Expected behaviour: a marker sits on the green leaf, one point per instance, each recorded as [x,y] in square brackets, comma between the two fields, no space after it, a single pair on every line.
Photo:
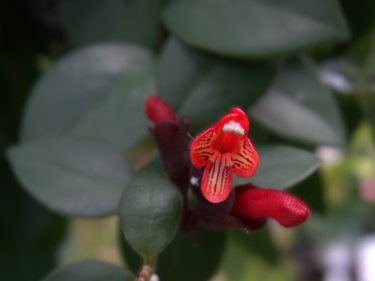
[204,87]
[299,107]
[255,28]
[281,167]
[196,258]
[149,213]
[119,120]
[135,21]
[90,270]
[77,83]
[74,177]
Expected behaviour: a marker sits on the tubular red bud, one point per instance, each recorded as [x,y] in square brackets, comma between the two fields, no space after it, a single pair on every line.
[258,204]
[157,110]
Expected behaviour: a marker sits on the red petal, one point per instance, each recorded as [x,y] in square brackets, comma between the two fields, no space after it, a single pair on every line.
[217,180]
[157,110]
[245,162]
[257,204]
[200,149]
[236,114]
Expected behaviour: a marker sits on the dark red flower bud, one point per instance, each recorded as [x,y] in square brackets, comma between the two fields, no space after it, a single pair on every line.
[172,139]
[157,110]
[173,142]
[256,204]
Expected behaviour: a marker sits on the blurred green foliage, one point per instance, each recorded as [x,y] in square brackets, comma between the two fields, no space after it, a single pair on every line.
[74,76]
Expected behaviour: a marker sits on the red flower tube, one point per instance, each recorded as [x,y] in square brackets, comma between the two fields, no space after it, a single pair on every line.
[222,150]
[253,204]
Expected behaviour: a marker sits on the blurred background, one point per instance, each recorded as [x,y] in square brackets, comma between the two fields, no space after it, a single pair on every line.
[336,244]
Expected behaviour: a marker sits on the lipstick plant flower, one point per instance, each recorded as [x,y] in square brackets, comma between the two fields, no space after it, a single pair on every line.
[224,149]
[206,164]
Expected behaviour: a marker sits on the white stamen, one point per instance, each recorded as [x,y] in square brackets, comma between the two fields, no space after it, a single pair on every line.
[233,127]
[194,181]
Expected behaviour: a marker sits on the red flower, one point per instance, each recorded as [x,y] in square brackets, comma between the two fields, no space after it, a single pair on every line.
[253,206]
[221,150]
[157,110]
[224,149]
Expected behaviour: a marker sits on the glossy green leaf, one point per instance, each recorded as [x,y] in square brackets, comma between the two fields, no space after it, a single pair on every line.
[76,84]
[281,167]
[204,87]
[74,177]
[298,106]
[134,21]
[255,28]
[119,120]
[90,270]
[149,213]
[196,258]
